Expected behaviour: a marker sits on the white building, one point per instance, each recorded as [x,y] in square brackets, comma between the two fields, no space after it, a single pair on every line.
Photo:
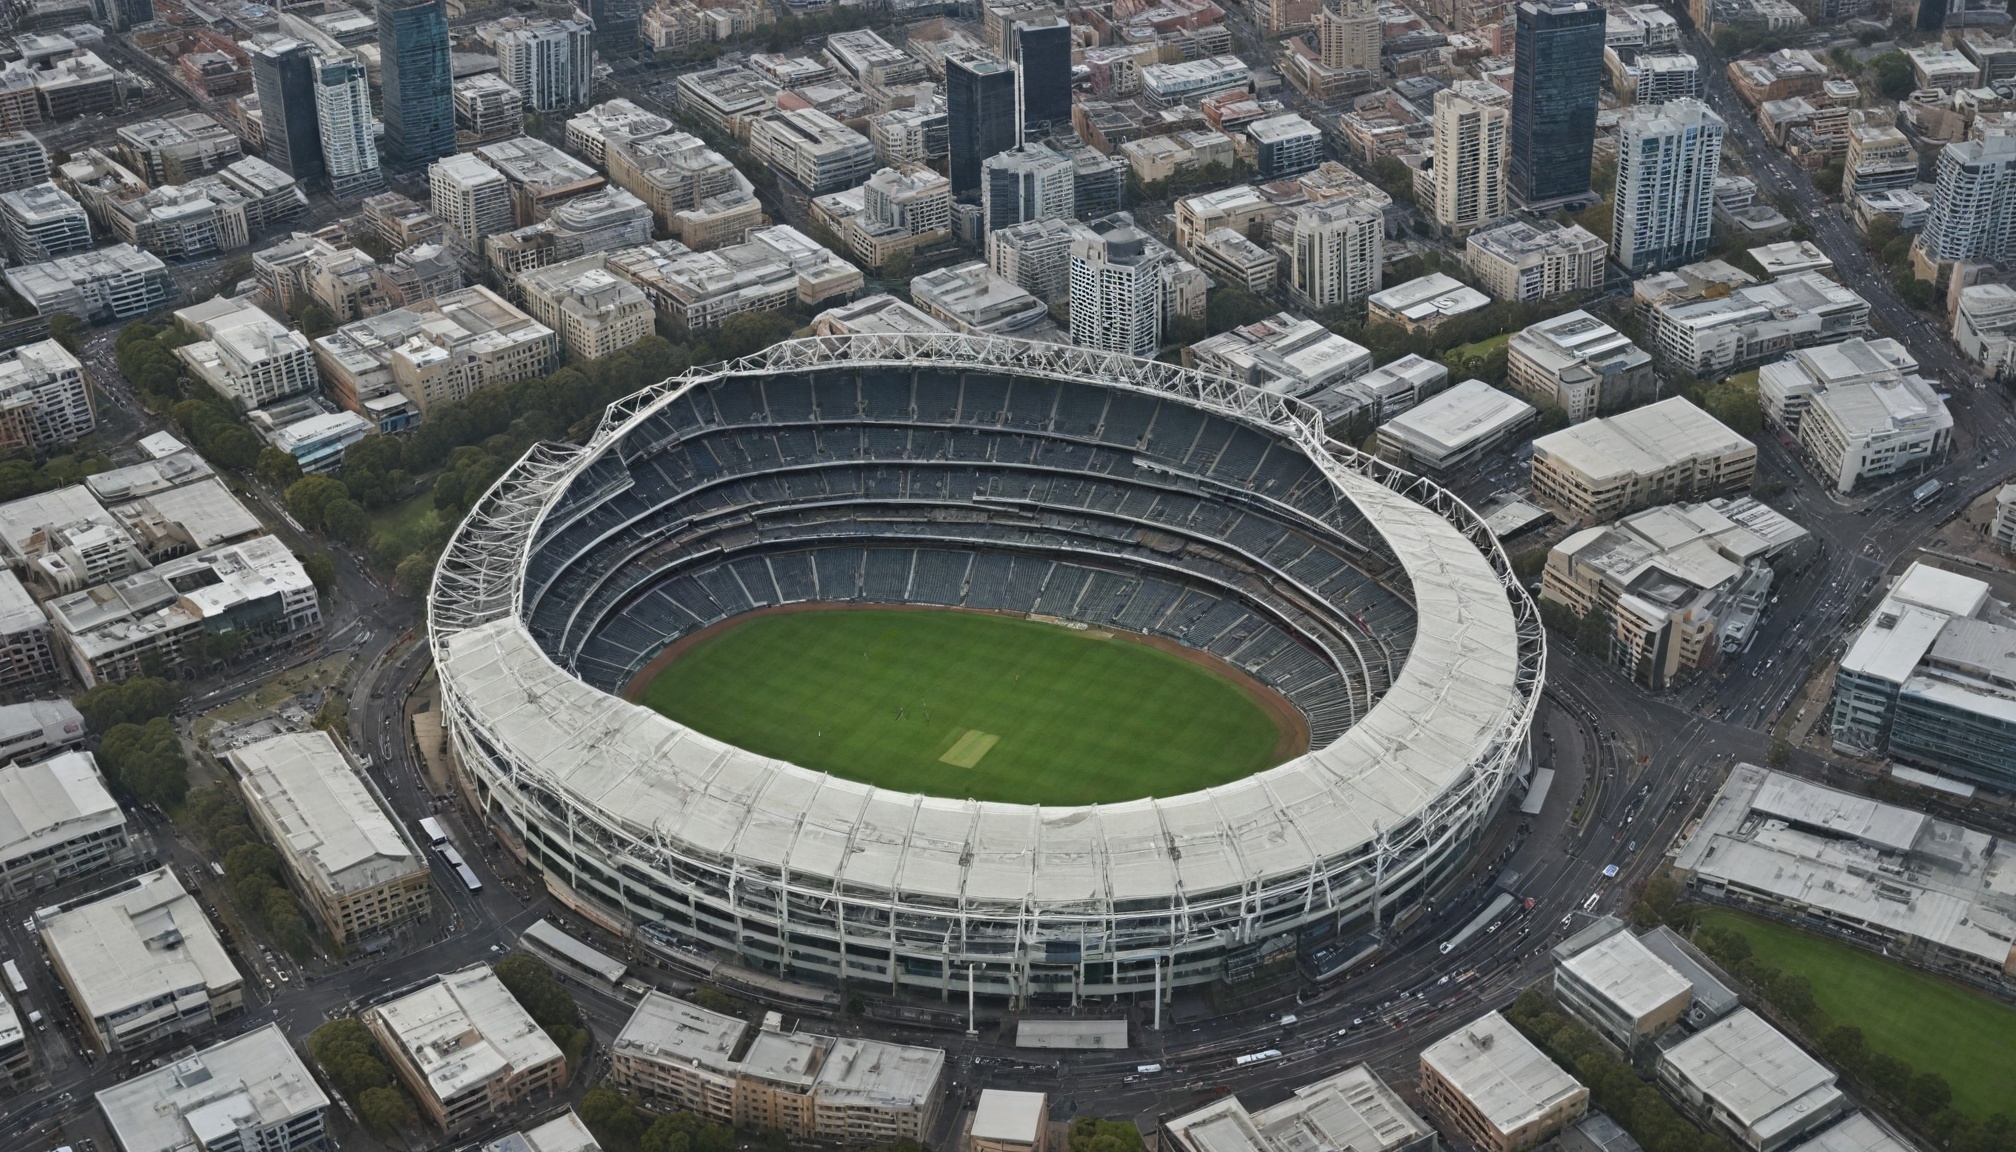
[62,823]
[1535,260]
[617,121]
[972,298]
[1472,119]
[771,268]
[465,1048]
[43,396]
[1790,257]
[550,62]
[246,355]
[1035,256]
[1192,80]
[1617,985]
[816,151]
[471,197]
[1752,323]
[1116,298]
[1973,213]
[1425,302]
[1232,259]
[1454,427]
[140,962]
[1982,323]
[1601,469]
[1285,354]
[1353,1109]
[1868,429]
[118,281]
[1336,253]
[878,315]
[1752,1082]
[249,1092]
[1496,1090]
[595,313]
[1028,182]
[348,130]
[1667,158]
[1580,365]
[42,222]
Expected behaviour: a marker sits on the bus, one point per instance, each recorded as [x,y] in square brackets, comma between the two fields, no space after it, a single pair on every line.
[431,828]
[1257,1057]
[449,854]
[469,879]
[14,980]
[1923,494]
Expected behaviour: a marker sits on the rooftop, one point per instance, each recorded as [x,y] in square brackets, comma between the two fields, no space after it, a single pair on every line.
[318,807]
[211,1097]
[1464,414]
[1015,1117]
[1500,1072]
[1426,296]
[143,941]
[1626,973]
[463,1029]
[1352,1110]
[666,1028]
[51,803]
[1752,1072]
[1643,440]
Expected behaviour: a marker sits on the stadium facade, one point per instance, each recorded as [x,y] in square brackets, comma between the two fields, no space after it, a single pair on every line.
[1005,475]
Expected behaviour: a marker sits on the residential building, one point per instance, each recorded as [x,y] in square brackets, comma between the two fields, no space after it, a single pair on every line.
[1973,215]
[1336,253]
[1471,122]
[283,74]
[465,1048]
[902,210]
[619,121]
[2003,531]
[1492,1086]
[1351,1109]
[27,658]
[1425,302]
[550,62]
[361,873]
[1667,157]
[206,215]
[1535,260]
[1779,75]
[36,729]
[1558,49]
[1942,69]
[1879,157]
[695,194]
[64,823]
[487,108]
[63,539]
[179,148]
[910,135]
[567,1133]
[42,222]
[1751,1081]
[595,313]
[1923,889]
[540,176]
[117,281]
[1158,158]
[348,130]
[344,281]
[1027,182]
[1677,586]
[1115,294]
[1454,427]
[971,298]
[1653,79]
[1192,80]
[768,270]
[401,222]
[44,400]
[1284,354]
[16,1063]
[675,1054]
[726,98]
[140,962]
[416,80]
[1234,260]
[816,151]
[1098,181]
[467,341]
[254,1083]
[1286,145]
[23,161]
[246,355]
[1035,256]
[1755,322]
[1859,409]
[1983,319]
[471,197]
[1664,452]
[878,315]
[1580,365]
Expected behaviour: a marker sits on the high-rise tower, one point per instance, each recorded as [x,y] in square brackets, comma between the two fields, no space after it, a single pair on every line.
[1557,69]
[1667,156]
[283,74]
[1043,63]
[982,114]
[417,82]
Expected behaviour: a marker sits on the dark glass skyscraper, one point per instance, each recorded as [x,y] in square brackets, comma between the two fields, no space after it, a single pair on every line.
[283,74]
[1557,68]
[615,24]
[1043,54]
[981,114]
[417,82]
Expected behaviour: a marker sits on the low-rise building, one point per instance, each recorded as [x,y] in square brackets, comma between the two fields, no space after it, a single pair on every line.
[63,823]
[1942,69]
[1285,354]
[1753,323]
[1454,427]
[1778,75]
[140,962]
[488,108]
[697,196]
[1534,260]
[1192,80]
[767,271]
[568,1133]
[44,400]
[1285,145]
[1752,1082]
[1035,255]
[1353,1109]
[595,313]
[1496,1090]
[674,1054]
[1237,261]
[1391,389]
[17,1063]
[316,443]
[617,121]
[538,176]
[728,98]
[38,729]
[42,222]
[1603,468]
[251,1091]
[1580,365]
[1983,320]
[247,356]
[118,281]
[360,871]
[910,136]
[878,315]
[178,149]
[1859,409]
[27,657]
[1157,158]
[1425,303]
[972,298]
[1005,1121]
[816,151]
[465,1048]
[1791,256]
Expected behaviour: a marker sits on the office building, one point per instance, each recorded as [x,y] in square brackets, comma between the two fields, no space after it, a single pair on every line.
[693,191]
[1535,260]
[465,1048]
[1236,261]
[1558,70]
[1492,1087]
[1983,320]
[1754,322]
[591,133]
[487,107]
[42,222]
[768,270]
[246,356]
[1425,302]
[1667,157]
[616,24]
[1191,81]
[1609,980]
[813,149]
[982,115]
[178,149]
[1098,181]
[1678,586]
[416,81]
[471,197]
[910,135]
[249,1092]
[1603,468]
[1752,1082]
[811,1087]
[1284,354]
[316,443]
[1035,256]
[361,873]
[595,313]
[727,98]
[550,62]
[64,823]
[1454,427]
[1879,158]
[17,1064]
[1973,215]
[878,315]
[1005,1121]
[901,212]
[540,176]
[601,221]
[27,658]
[1027,182]
[1859,409]
[1925,890]
[1353,1109]
[971,298]
[1043,72]
[1286,145]
[23,161]
[1336,253]
[283,74]
[1472,120]
[36,729]
[1115,294]
[140,962]
[1580,365]
[43,397]
[1791,256]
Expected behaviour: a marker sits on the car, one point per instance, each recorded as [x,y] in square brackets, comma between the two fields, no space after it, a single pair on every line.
[283,977]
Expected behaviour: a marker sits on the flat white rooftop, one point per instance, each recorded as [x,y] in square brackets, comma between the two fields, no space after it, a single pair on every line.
[328,823]
[667,1028]
[1017,1117]
[1626,973]
[147,940]
[1101,1034]
[1507,1079]
[51,803]
[252,1081]
[464,1029]
[1753,1072]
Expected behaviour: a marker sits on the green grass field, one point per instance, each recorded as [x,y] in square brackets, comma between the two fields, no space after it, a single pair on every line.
[908,700]
[1934,1026]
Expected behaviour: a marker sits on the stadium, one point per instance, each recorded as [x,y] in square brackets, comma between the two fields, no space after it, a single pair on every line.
[1029,480]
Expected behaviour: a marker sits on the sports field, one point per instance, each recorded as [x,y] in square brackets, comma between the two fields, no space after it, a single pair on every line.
[1930,1024]
[964,704]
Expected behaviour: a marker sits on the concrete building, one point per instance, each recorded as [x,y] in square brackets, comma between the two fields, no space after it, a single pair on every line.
[618,121]
[58,822]
[1879,158]
[38,729]
[675,1054]
[118,281]
[1791,257]
[1471,122]
[1618,986]
[1028,182]
[178,149]
[601,221]
[1005,1121]
[1886,877]
[910,135]
[247,356]
[1116,301]
[1336,253]
[693,192]
[1232,259]
[1752,1082]
[550,62]
[1495,1090]
[344,120]
[1942,69]
[1677,586]
[1391,389]
[465,1048]
[1580,365]
[27,658]
[140,962]
[595,313]
[1983,320]
[487,108]
[466,341]
[470,197]
[1453,427]
[360,872]
[249,1092]
[42,222]
[564,1133]
[1859,409]
[1425,302]
[728,98]
[1158,158]
[1535,260]
[1353,1109]
[318,442]
[1755,322]
[1286,145]
[765,272]
[813,149]
[1284,354]
[540,177]
[1193,80]
[1973,216]
[972,298]
[1036,257]
[44,399]
[902,210]
[879,315]
[1667,158]
[23,161]
[1603,468]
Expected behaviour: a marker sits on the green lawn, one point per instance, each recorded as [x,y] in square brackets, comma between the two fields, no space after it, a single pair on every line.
[880,696]
[1477,350]
[410,524]
[1934,1026]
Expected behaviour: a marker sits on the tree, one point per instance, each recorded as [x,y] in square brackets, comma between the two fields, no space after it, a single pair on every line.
[1929,1093]
[1230,308]
[309,496]
[1780,754]
[532,983]
[146,760]
[1893,75]
[322,570]
[344,519]
[68,331]
[1888,1076]
[1828,179]
[317,320]
[277,468]
[133,701]
[1845,1046]
[384,1110]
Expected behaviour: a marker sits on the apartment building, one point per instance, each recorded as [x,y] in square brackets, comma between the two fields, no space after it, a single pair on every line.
[595,313]
[42,222]
[696,195]
[816,151]
[273,1101]
[1580,365]
[246,356]
[1603,468]
[44,399]
[1494,1089]
[772,267]
[1535,260]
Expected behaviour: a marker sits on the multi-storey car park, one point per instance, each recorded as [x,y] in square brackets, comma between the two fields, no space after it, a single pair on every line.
[997,474]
